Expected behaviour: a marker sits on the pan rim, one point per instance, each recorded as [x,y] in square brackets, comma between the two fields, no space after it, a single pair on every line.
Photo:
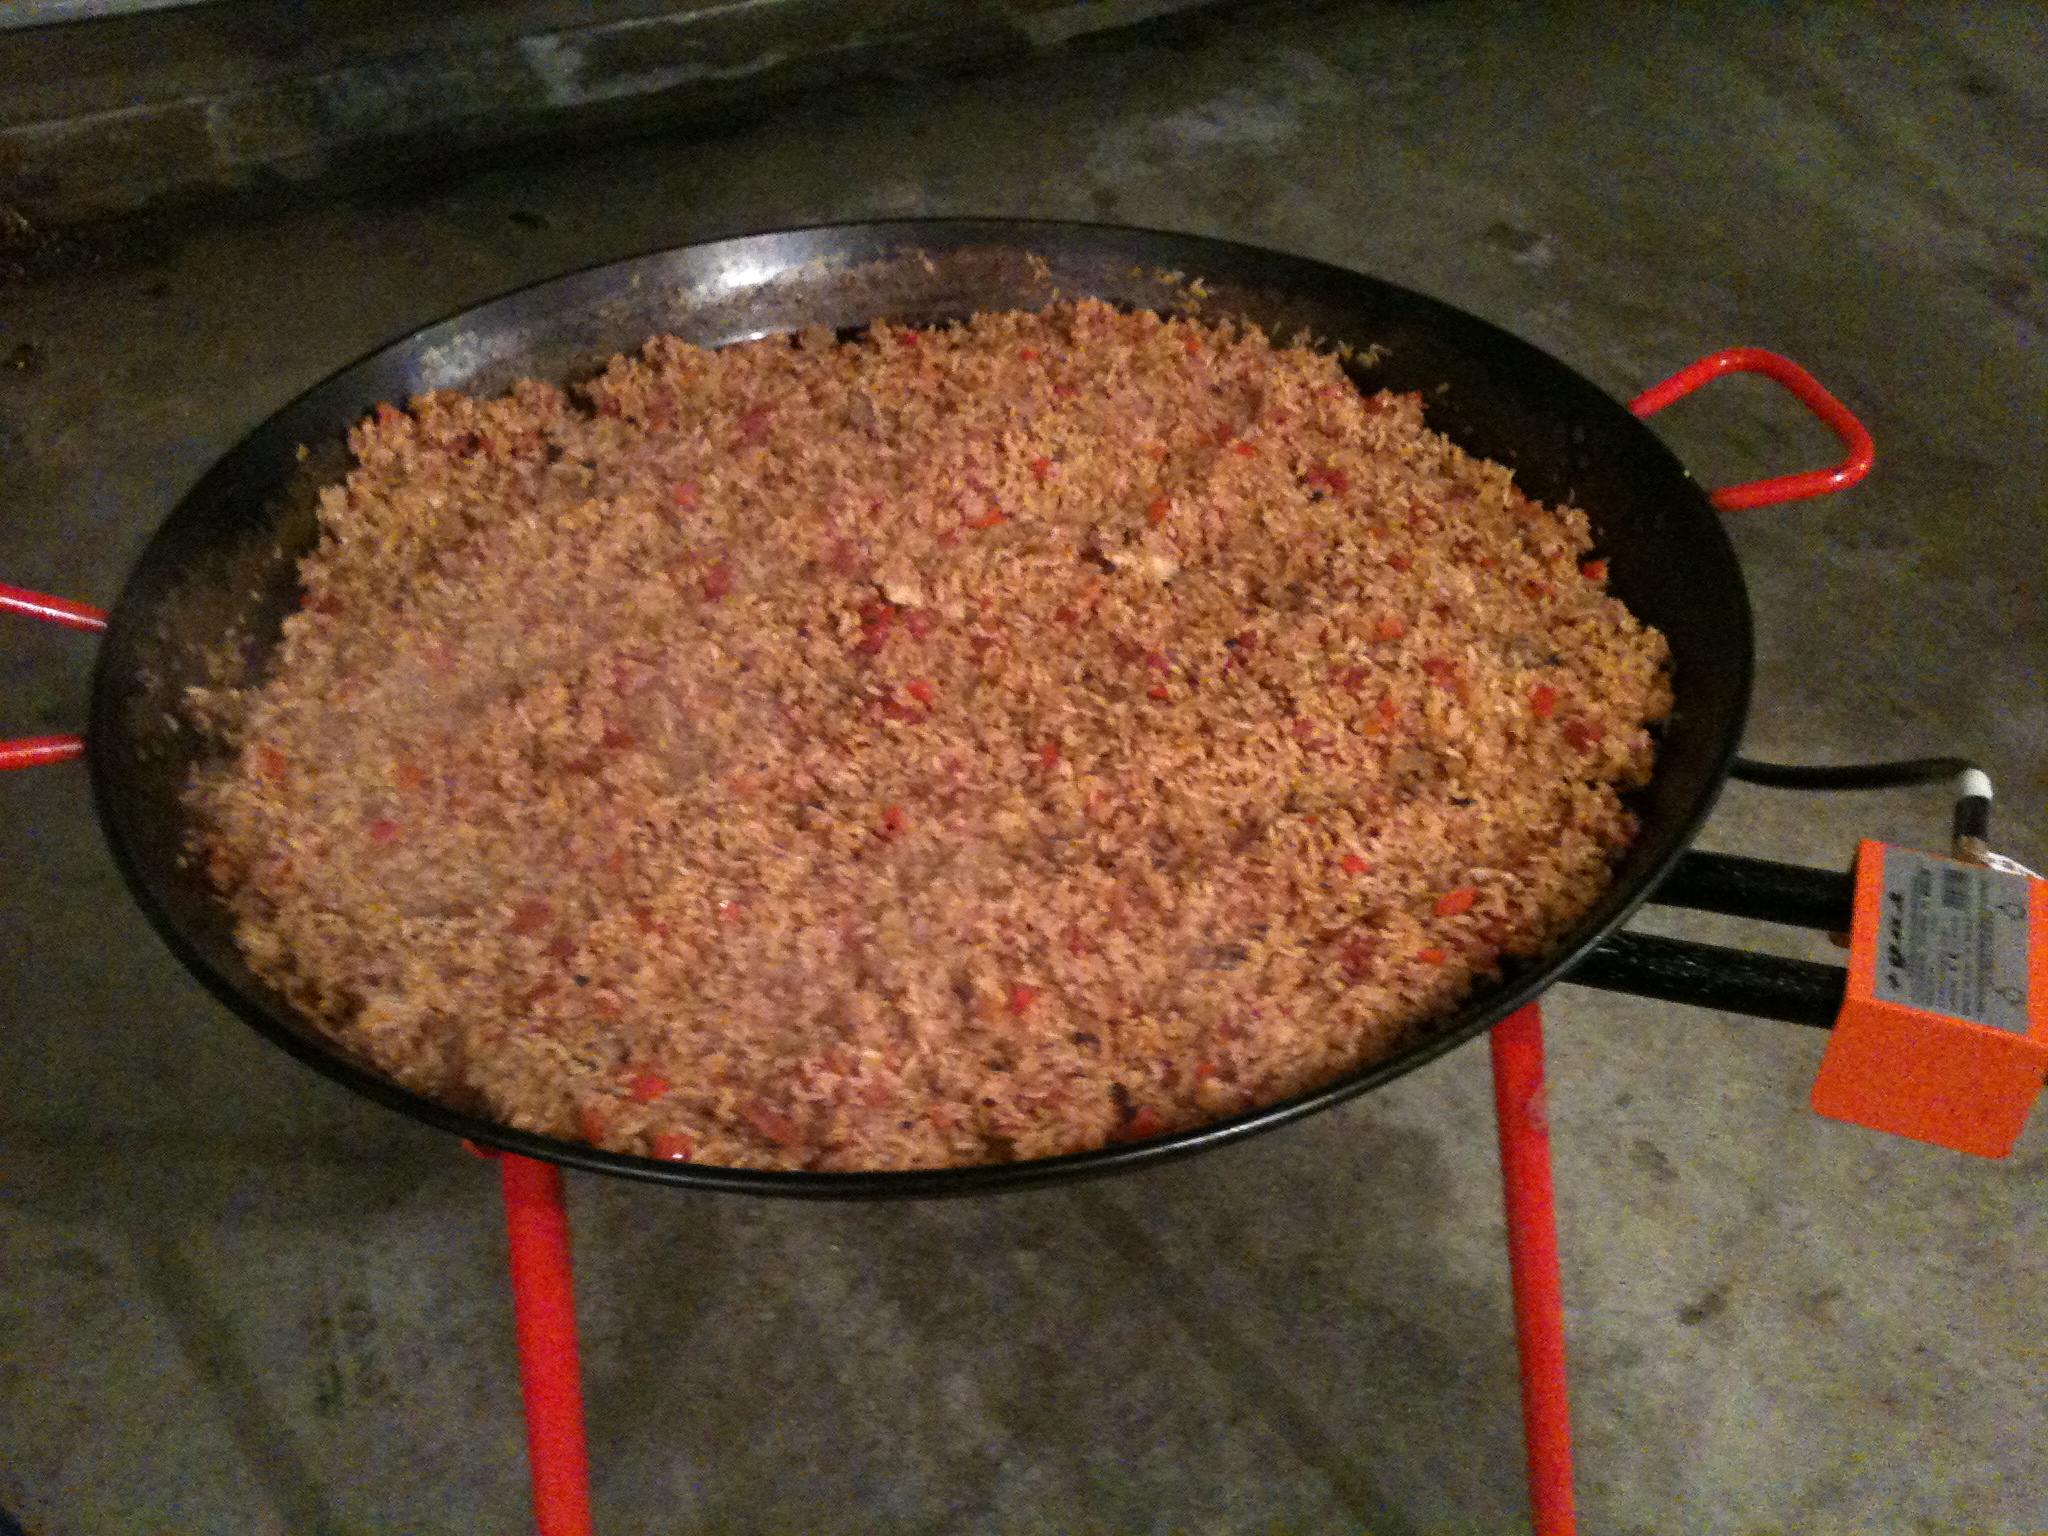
[1471,1019]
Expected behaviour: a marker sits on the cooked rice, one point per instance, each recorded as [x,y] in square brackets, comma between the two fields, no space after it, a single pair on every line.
[940,747]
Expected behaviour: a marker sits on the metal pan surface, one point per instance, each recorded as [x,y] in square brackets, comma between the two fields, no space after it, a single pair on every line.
[219,575]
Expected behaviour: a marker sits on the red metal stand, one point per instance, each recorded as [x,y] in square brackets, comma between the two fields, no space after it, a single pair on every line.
[544,1312]
[1518,1100]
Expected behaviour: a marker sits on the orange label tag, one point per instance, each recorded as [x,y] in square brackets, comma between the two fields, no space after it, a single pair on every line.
[1943,1034]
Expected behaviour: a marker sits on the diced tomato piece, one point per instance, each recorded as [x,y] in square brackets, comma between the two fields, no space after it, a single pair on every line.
[989,519]
[1543,701]
[674,1146]
[646,1087]
[1401,562]
[1021,999]
[1029,354]
[383,830]
[921,690]
[1390,628]
[1354,865]
[1145,1122]
[1049,756]
[590,1124]
[1594,570]
[1389,709]
[1158,510]
[1451,903]
[893,821]
[272,762]
[531,917]
[1432,956]
[686,495]
[1159,691]
[1041,468]
[1582,734]
[1245,450]
[772,1124]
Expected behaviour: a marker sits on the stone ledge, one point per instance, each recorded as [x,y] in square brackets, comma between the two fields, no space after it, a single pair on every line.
[112,116]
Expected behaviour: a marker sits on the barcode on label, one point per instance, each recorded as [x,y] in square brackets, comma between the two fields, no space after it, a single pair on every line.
[1952,939]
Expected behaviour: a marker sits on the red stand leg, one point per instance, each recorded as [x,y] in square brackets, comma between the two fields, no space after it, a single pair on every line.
[1517,1044]
[544,1312]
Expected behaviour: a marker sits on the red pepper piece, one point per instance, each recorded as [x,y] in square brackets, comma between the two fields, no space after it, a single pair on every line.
[1245,450]
[1451,903]
[989,519]
[772,1124]
[1158,510]
[1041,468]
[1143,1122]
[590,1124]
[1432,956]
[1354,865]
[1029,354]
[1543,701]
[1021,999]
[674,1146]
[921,690]
[893,821]
[1594,570]
[646,1087]
[531,917]
[1159,691]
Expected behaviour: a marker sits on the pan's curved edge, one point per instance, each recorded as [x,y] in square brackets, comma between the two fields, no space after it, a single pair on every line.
[852,243]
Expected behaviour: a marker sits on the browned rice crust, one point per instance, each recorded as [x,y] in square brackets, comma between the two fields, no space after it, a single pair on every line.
[938,748]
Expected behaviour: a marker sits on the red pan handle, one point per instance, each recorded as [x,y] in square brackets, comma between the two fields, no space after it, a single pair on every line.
[33,751]
[1807,389]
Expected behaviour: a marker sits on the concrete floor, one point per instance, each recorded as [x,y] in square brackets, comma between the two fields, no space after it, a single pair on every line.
[235,1299]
